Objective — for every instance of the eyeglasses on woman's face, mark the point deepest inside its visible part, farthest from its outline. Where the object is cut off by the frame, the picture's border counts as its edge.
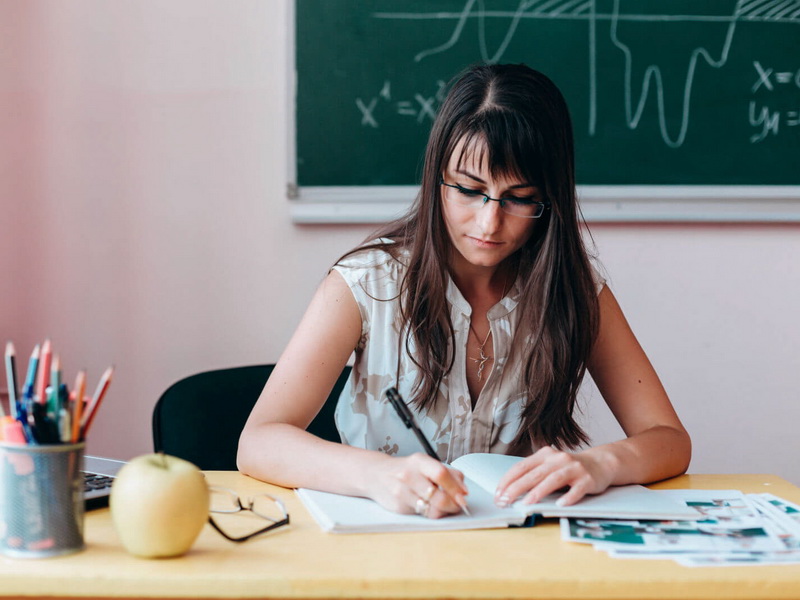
(527, 207)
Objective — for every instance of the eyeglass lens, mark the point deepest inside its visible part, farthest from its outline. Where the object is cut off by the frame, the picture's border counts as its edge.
(521, 207)
(239, 519)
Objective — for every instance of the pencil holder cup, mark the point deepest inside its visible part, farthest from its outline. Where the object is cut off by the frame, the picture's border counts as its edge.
(41, 500)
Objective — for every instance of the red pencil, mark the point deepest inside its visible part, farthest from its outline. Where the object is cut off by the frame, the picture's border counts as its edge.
(44, 372)
(91, 410)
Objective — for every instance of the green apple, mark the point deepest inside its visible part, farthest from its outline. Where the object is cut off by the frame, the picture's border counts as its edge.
(159, 504)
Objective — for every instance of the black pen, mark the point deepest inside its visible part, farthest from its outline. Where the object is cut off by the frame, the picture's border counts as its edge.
(396, 400)
(408, 420)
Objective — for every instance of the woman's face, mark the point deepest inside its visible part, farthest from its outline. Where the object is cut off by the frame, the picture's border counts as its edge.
(482, 234)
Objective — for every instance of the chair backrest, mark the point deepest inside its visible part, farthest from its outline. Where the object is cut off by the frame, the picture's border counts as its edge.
(200, 417)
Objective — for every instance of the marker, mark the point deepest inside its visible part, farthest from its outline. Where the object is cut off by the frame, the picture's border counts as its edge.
(63, 396)
(45, 429)
(55, 384)
(25, 418)
(11, 378)
(64, 426)
(12, 431)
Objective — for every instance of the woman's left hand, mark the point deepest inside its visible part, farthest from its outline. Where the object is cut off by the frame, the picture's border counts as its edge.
(549, 470)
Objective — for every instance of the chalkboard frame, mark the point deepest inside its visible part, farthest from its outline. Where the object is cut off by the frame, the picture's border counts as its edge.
(599, 203)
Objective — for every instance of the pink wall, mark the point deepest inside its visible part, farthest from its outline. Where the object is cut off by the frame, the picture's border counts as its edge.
(143, 165)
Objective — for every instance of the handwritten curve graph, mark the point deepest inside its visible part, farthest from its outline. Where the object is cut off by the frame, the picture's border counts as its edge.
(774, 11)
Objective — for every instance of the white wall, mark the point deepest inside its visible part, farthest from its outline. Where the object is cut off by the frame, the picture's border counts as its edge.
(142, 173)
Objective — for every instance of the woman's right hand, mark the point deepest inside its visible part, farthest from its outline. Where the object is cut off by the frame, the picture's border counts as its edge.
(417, 484)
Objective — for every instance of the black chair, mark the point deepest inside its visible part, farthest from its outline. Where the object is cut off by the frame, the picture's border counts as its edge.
(200, 417)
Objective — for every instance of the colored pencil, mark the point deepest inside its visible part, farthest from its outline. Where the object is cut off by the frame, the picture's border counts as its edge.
(99, 394)
(80, 391)
(44, 372)
(30, 378)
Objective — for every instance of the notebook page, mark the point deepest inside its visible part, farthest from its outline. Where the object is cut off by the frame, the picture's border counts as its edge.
(628, 501)
(347, 514)
(485, 469)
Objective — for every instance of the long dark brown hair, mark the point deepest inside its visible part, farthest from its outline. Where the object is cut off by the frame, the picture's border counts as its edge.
(522, 120)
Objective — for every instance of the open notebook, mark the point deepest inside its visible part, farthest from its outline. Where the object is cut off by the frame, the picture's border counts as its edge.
(346, 514)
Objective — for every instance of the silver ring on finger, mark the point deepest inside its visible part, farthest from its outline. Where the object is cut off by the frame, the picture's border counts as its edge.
(421, 507)
(429, 494)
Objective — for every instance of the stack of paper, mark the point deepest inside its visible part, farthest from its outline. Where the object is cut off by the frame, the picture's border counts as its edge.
(733, 529)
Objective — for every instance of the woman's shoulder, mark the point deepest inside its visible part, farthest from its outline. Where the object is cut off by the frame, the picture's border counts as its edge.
(375, 268)
(599, 273)
(377, 254)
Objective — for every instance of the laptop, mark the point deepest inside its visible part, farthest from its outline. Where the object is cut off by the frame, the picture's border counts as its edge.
(99, 474)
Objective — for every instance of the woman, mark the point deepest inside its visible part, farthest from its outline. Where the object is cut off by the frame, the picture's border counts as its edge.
(482, 308)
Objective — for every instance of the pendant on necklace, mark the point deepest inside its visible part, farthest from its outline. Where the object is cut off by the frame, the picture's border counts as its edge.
(481, 363)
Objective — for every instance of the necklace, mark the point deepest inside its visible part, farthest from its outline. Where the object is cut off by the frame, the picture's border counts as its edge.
(483, 358)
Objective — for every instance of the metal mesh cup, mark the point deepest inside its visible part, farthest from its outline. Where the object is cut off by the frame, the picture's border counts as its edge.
(41, 500)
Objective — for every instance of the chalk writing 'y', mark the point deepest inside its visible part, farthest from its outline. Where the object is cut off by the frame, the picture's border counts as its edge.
(769, 122)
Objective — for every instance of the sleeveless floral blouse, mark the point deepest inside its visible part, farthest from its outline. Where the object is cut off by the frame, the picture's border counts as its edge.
(366, 419)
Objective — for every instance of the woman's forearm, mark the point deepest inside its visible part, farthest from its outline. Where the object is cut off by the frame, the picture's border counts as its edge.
(651, 455)
(291, 457)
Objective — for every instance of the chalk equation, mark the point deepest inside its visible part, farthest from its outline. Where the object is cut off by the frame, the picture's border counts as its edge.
(769, 121)
(643, 89)
(417, 106)
(764, 118)
(769, 79)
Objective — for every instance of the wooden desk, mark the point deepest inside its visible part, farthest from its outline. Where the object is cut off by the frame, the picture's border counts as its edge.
(303, 562)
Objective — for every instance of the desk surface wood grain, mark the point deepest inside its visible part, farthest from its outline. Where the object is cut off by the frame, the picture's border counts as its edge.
(303, 562)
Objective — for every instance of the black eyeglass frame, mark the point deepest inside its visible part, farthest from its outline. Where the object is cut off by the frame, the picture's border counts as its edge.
(274, 524)
(542, 204)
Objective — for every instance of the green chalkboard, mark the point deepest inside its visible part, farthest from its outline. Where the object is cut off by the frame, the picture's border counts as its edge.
(675, 92)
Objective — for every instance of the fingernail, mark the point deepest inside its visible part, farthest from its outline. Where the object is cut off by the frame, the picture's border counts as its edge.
(503, 501)
(561, 502)
(462, 502)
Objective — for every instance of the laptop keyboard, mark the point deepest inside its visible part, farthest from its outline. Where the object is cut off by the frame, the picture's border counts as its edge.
(93, 482)
(96, 490)
(99, 473)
